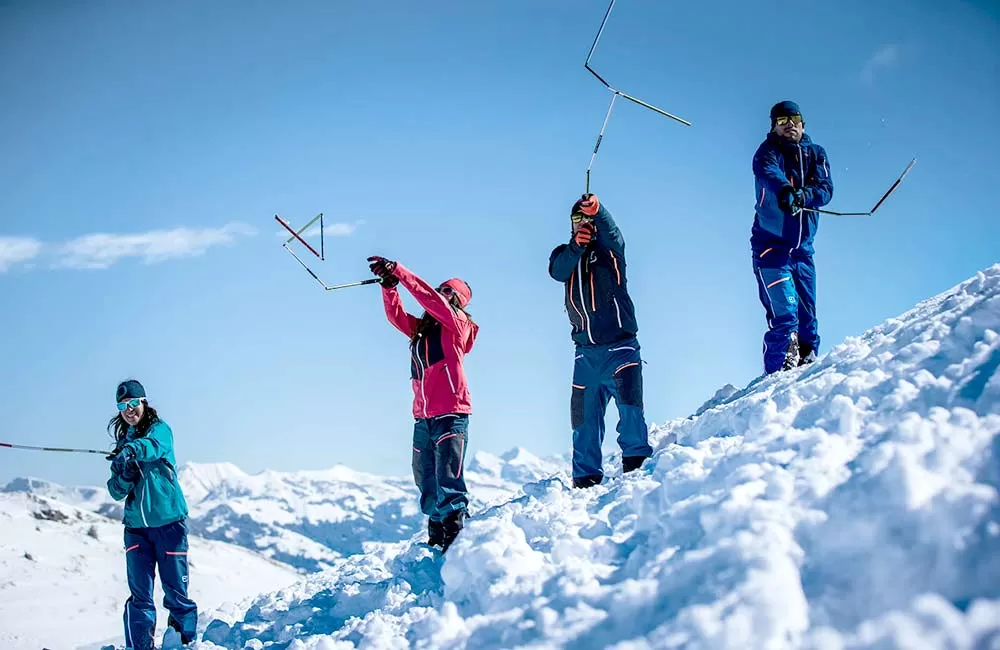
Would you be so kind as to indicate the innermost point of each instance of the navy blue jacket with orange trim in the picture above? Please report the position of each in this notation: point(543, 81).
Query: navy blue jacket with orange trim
point(597, 300)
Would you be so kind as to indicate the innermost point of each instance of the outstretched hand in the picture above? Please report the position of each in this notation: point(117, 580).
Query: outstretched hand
point(384, 269)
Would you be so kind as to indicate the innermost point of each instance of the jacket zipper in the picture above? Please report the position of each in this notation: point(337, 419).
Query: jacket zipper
point(423, 378)
point(583, 302)
point(142, 482)
point(450, 382)
point(802, 176)
point(618, 312)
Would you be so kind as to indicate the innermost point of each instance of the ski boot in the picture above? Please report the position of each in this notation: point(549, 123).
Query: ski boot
point(792, 353)
point(807, 354)
point(435, 533)
point(587, 481)
point(632, 463)
point(451, 526)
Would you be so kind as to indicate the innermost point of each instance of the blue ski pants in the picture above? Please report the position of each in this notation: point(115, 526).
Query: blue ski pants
point(786, 285)
point(601, 372)
point(146, 549)
point(438, 461)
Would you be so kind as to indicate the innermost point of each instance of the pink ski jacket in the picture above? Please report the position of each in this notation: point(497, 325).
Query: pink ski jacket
point(436, 372)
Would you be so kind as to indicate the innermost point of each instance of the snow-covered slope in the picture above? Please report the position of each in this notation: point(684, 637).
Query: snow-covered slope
point(849, 504)
point(62, 575)
point(311, 519)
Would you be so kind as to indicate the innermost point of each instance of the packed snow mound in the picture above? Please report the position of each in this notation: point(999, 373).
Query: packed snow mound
point(62, 575)
point(848, 504)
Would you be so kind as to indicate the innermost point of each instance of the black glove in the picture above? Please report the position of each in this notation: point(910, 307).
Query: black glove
point(384, 269)
point(790, 199)
point(121, 461)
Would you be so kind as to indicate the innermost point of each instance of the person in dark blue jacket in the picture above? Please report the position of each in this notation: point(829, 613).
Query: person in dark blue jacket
point(792, 175)
point(156, 534)
point(607, 364)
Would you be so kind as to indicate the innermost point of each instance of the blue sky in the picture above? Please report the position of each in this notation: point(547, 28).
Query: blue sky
point(147, 148)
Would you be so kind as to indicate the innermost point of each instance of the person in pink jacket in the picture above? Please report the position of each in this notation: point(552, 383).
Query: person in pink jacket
point(439, 340)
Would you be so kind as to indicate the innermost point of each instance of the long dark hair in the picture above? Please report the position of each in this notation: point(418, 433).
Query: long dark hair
point(118, 427)
point(427, 321)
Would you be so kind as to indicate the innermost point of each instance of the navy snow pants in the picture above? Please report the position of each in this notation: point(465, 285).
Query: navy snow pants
point(165, 547)
point(601, 372)
point(786, 285)
point(438, 460)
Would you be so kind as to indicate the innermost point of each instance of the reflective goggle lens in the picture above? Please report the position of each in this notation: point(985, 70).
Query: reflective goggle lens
point(133, 403)
point(785, 119)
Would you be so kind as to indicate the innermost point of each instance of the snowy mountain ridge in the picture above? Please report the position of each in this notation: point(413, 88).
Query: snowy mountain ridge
point(309, 519)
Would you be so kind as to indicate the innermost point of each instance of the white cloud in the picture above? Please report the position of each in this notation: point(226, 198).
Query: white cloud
point(329, 230)
point(886, 57)
point(14, 250)
point(101, 250)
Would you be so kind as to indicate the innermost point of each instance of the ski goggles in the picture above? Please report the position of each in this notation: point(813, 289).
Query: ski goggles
point(446, 291)
point(578, 217)
point(785, 119)
point(130, 403)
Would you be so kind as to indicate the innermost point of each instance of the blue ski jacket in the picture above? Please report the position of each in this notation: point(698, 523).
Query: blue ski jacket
point(777, 163)
point(155, 499)
point(597, 299)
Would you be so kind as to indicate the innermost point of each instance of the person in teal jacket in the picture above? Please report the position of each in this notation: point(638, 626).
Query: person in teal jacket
point(156, 533)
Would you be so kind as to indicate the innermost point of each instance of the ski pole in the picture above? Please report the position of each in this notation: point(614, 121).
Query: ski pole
point(296, 235)
point(615, 93)
point(77, 451)
point(871, 212)
point(324, 284)
point(586, 65)
point(600, 136)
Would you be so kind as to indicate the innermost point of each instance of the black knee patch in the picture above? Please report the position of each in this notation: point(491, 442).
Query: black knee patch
point(576, 406)
point(449, 451)
point(417, 464)
point(628, 382)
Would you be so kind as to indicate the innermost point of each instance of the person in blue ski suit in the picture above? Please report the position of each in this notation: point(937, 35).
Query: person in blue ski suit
point(607, 362)
point(792, 175)
point(156, 534)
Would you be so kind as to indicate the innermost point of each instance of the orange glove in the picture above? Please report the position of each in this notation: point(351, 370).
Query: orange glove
point(588, 204)
point(584, 234)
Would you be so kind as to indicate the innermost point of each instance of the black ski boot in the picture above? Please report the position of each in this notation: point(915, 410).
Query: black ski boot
point(792, 353)
point(632, 463)
point(806, 354)
point(435, 533)
point(587, 481)
point(452, 526)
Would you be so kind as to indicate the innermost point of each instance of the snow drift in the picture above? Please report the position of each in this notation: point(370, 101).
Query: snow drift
point(852, 503)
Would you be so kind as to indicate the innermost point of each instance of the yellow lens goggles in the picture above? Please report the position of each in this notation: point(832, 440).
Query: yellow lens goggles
point(785, 119)
point(577, 217)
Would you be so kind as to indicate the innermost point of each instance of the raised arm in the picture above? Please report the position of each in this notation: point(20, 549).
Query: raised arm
point(404, 322)
point(429, 298)
point(609, 234)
